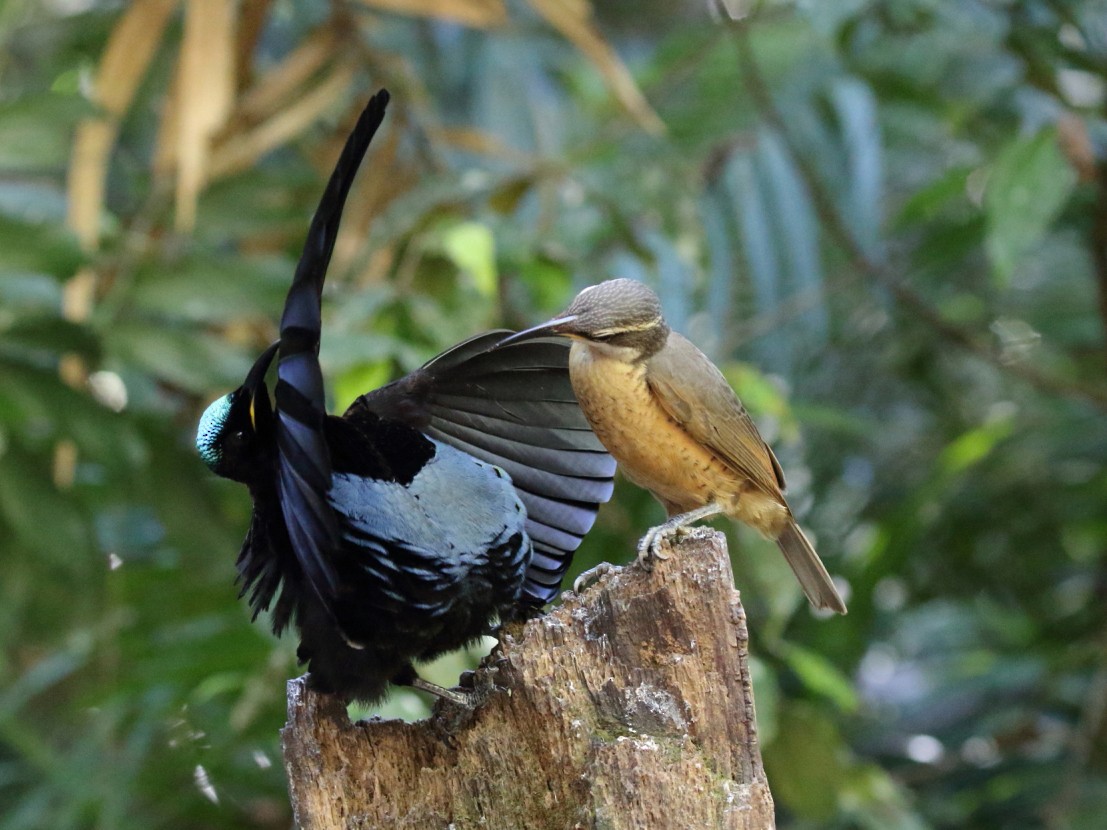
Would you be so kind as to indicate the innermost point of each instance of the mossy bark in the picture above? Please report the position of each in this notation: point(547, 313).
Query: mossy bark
point(628, 706)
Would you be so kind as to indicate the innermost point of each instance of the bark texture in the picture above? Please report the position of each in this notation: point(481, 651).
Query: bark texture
point(628, 706)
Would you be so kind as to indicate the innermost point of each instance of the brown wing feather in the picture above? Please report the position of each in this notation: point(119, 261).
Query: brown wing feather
point(694, 393)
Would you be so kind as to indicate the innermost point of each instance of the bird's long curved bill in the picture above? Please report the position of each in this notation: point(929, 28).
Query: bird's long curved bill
point(261, 366)
point(555, 326)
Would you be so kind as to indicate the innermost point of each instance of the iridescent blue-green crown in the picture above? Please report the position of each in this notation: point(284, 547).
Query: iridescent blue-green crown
point(212, 423)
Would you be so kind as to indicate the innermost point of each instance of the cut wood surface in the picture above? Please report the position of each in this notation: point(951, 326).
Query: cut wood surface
point(628, 706)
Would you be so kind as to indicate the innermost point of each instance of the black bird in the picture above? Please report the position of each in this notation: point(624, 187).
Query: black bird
point(435, 504)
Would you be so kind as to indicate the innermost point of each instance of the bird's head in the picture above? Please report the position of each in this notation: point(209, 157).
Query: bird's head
point(234, 430)
point(621, 317)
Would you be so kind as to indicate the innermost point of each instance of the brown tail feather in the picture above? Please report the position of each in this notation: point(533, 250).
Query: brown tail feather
point(809, 570)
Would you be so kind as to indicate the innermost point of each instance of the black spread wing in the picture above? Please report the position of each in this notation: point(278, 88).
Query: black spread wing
point(514, 407)
point(304, 461)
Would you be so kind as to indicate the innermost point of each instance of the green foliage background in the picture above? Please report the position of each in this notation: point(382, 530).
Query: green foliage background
point(886, 220)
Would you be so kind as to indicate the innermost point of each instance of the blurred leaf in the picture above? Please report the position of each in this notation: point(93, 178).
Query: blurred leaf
point(185, 358)
point(34, 131)
point(356, 382)
point(718, 233)
point(856, 110)
point(208, 289)
point(973, 446)
point(28, 292)
point(820, 676)
point(795, 229)
point(472, 249)
point(1028, 185)
point(31, 247)
point(757, 242)
point(573, 18)
point(925, 205)
point(806, 740)
point(874, 800)
point(41, 517)
point(762, 397)
point(506, 197)
point(40, 340)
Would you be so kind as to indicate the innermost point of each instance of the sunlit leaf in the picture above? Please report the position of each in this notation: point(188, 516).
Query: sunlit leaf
point(973, 446)
point(356, 382)
point(471, 247)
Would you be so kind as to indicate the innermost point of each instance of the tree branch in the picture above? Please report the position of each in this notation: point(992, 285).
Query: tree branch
point(629, 706)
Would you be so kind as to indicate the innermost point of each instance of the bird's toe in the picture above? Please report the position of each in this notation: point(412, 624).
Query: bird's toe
point(650, 547)
point(589, 577)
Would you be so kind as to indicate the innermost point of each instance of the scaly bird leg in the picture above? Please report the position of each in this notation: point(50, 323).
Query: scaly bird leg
point(650, 545)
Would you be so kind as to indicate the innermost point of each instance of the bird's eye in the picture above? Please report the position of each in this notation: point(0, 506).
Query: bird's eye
point(236, 440)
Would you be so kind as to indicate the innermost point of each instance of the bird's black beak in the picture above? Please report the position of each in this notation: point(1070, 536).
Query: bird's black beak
point(255, 379)
point(558, 325)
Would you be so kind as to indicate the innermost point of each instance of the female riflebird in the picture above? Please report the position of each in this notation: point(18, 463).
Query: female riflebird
point(671, 420)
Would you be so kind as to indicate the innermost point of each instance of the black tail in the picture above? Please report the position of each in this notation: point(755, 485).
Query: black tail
point(514, 407)
point(304, 461)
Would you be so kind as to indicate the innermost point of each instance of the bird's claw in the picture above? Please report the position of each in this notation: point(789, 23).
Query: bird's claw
point(651, 545)
point(591, 576)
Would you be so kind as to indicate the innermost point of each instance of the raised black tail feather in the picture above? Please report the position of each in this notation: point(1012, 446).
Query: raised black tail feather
point(304, 460)
point(512, 406)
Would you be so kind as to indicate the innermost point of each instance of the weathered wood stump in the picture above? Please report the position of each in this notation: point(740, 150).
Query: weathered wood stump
point(628, 706)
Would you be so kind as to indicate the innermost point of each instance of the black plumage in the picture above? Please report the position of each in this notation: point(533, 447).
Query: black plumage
point(433, 505)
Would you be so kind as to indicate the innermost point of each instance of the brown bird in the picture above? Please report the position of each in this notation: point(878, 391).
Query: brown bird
point(671, 420)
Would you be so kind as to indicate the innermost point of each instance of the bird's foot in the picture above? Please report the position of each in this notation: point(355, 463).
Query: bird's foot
point(673, 530)
point(650, 546)
point(592, 576)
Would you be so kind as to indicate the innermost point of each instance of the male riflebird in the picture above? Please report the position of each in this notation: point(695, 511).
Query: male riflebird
point(671, 420)
point(433, 505)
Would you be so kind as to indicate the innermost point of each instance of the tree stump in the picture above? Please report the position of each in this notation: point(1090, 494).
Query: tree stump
point(628, 706)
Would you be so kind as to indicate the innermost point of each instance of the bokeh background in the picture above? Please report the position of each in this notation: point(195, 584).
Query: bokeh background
point(885, 219)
